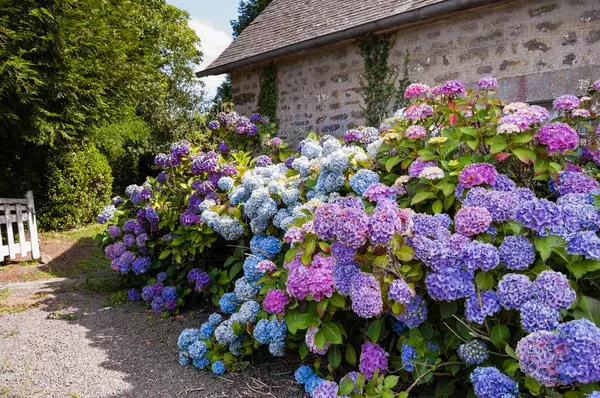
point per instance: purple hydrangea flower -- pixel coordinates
(539, 356)
(489, 382)
(372, 358)
(584, 243)
(538, 214)
(517, 252)
(566, 102)
(324, 221)
(450, 88)
(471, 221)
(400, 291)
(478, 307)
(552, 289)
(488, 83)
(417, 166)
(188, 218)
(114, 231)
(365, 292)
(537, 316)
(558, 137)
(162, 160)
(480, 255)
(415, 90)
(275, 301)
(415, 131)
(514, 290)
(351, 227)
(418, 112)
(450, 284)
(415, 312)
(343, 275)
(576, 182)
(133, 294)
(213, 125)
(580, 362)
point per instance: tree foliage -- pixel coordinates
(117, 74)
(247, 11)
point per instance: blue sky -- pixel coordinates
(210, 20)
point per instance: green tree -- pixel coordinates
(117, 74)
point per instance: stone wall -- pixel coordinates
(538, 49)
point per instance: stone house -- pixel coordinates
(537, 49)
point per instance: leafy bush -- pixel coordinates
(79, 182)
(453, 249)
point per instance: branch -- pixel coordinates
(413, 385)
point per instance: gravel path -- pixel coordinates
(70, 344)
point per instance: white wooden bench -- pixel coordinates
(19, 212)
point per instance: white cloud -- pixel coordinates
(213, 41)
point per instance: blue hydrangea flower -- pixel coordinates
(201, 363)
(186, 338)
(489, 382)
(415, 313)
(250, 271)
(244, 289)
(303, 373)
(206, 330)
(473, 352)
(215, 318)
(262, 331)
(538, 214)
(408, 355)
(224, 333)
(198, 349)
(228, 303)
(266, 246)
(517, 252)
(450, 284)
(218, 367)
(277, 348)
(362, 180)
(247, 312)
(552, 289)
(184, 358)
(225, 183)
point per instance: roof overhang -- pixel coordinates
(394, 21)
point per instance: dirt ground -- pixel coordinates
(59, 338)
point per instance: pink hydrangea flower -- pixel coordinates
(415, 131)
(596, 85)
(320, 280)
(294, 235)
(265, 265)
(450, 88)
(488, 83)
(579, 112)
(417, 112)
(415, 90)
(566, 102)
(471, 221)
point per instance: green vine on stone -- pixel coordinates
(381, 94)
(268, 97)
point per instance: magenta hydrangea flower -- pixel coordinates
(298, 277)
(325, 221)
(477, 174)
(351, 227)
(450, 88)
(415, 131)
(265, 265)
(471, 221)
(566, 102)
(415, 90)
(320, 280)
(365, 293)
(400, 291)
(372, 358)
(558, 137)
(488, 83)
(596, 85)
(418, 112)
(386, 221)
(275, 302)
(309, 339)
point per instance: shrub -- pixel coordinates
(79, 183)
(453, 249)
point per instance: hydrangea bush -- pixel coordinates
(453, 251)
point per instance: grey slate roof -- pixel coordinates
(300, 24)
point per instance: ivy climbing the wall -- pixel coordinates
(268, 98)
(382, 91)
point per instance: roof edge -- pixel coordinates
(415, 15)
